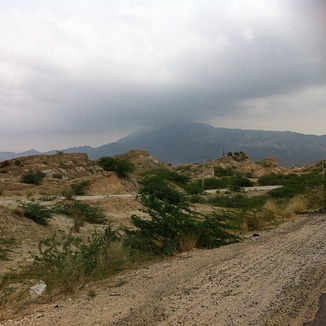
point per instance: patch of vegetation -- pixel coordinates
(65, 263)
(37, 212)
(238, 201)
(80, 189)
(160, 189)
(57, 175)
(167, 175)
(5, 164)
(171, 222)
(19, 162)
(116, 164)
(35, 178)
(82, 211)
(223, 172)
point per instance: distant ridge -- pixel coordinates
(180, 143)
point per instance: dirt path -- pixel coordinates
(273, 279)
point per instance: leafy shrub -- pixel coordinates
(167, 175)
(240, 181)
(211, 183)
(35, 178)
(116, 164)
(223, 172)
(238, 201)
(37, 212)
(57, 176)
(5, 164)
(170, 224)
(82, 210)
(65, 262)
(79, 189)
(18, 162)
(194, 189)
(160, 189)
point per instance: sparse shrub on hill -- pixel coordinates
(223, 172)
(37, 212)
(79, 189)
(35, 178)
(171, 223)
(116, 164)
(81, 210)
(167, 175)
(159, 188)
(5, 164)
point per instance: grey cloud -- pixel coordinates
(84, 70)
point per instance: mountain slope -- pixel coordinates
(180, 143)
(192, 142)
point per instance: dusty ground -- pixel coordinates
(272, 279)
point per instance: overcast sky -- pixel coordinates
(88, 72)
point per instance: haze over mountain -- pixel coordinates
(180, 143)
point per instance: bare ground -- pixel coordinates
(272, 279)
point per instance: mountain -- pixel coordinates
(9, 155)
(181, 143)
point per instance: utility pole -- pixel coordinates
(203, 180)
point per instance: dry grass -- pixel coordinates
(188, 242)
(284, 210)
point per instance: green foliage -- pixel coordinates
(5, 164)
(79, 189)
(292, 184)
(66, 262)
(35, 178)
(37, 212)
(170, 224)
(167, 175)
(82, 210)
(240, 181)
(223, 172)
(211, 183)
(238, 201)
(160, 189)
(116, 164)
(194, 189)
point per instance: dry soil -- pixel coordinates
(275, 278)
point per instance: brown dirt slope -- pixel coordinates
(273, 279)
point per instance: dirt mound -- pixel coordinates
(143, 160)
(61, 165)
(239, 162)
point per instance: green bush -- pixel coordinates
(116, 164)
(167, 175)
(35, 178)
(82, 210)
(194, 189)
(223, 172)
(238, 201)
(170, 224)
(159, 188)
(65, 262)
(211, 183)
(5, 164)
(37, 212)
(79, 189)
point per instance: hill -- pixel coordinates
(181, 143)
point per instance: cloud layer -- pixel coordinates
(89, 72)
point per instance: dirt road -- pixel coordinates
(275, 278)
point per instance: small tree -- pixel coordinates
(172, 221)
(116, 164)
(35, 178)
